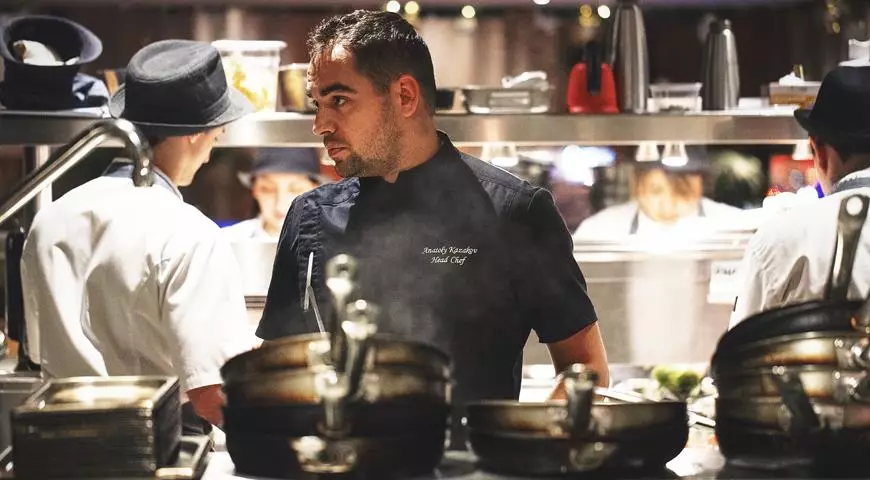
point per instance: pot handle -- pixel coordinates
(803, 417)
(340, 279)
(853, 212)
(579, 382)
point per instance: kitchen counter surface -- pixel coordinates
(691, 464)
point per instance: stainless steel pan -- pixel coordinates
(522, 454)
(304, 387)
(841, 386)
(550, 418)
(303, 351)
(773, 413)
(576, 435)
(845, 350)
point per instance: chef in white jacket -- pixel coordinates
(788, 259)
(279, 176)
(665, 201)
(126, 280)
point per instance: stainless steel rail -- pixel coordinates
(71, 154)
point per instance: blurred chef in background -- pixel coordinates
(664, 199)
(279, 175)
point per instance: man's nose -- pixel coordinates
(323, 125)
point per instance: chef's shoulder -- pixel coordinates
(789, 231)
(510, 194)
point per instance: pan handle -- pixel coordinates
(803, 417)
(339, 384)
(853, 212)
(579, 381)
(340, 280)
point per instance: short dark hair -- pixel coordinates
(384, 46)
(846, 150)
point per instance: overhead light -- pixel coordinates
(541, 2)
(647, 152)
(675, 155)
(412, 8)
(393, 6)
(468, 11)
(604, 11)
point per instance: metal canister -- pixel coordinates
(627, 54)
(721, 90)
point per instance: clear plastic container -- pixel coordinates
(251, 67)
(670, 97)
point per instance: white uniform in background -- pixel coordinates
(628, 219)
(246, 230)
(788, 259)
(124, 280)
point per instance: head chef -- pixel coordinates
(278, 176)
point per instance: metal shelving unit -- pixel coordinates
(290, 129)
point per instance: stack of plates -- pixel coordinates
(98, 427)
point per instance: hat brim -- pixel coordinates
(239, 106)
(247, 178)
(826, 133)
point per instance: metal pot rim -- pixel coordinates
(513, 404)
(754, 372)
(282, 374)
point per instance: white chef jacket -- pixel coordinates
(788, 259)
(124, 280)
(616, 221)
(247, 229)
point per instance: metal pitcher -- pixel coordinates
(721, 75)
(627, 53)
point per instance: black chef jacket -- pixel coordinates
(457, 253)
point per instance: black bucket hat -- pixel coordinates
(175, 88)
(45, 86)
(841, 112)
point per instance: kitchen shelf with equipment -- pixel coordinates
(774, 126)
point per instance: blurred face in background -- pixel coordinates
(274, 192)
(666, 197)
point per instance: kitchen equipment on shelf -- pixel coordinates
(591, 87)
(349, 401)
(98, 427)
(675, 97)
(628, 56)
(578, 435)
(292, 78)
(251, 66)
(528, 92)
(721, 70)
(792, 381)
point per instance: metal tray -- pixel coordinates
(94, 394)
(191, 463)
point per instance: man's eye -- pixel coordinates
(339, 101)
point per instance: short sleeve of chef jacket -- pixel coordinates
(550, 286)
(282, 314)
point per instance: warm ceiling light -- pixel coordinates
(393, 6)
(412, 8)
(604, 11)
(541, 2)
(468, 11)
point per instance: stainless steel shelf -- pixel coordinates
(286, 129)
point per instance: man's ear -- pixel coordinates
(410, 95)
(821, 155)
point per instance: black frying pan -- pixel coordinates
(833, 313)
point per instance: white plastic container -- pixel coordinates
(251, 67)
(680, 97)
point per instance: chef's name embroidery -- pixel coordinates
(449, 255)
